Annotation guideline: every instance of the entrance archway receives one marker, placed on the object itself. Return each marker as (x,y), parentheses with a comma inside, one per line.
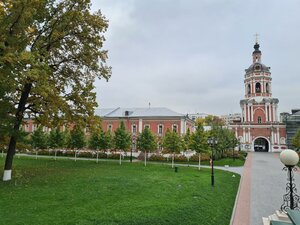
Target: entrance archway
(261,145)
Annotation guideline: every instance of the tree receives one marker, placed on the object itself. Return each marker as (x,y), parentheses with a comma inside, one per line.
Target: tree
(50,56)
(296,140)
(122,139)
(77,138)
(172,143)
(39,139)
(186,140)
(57,139)
(94,141)
(198,142)
(226,140)
(146,142)
(210,120)
(105,140)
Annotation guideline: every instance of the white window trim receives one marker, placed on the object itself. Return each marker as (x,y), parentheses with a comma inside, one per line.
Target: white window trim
(175,125)
(110,127)
(134,125)
(162,129)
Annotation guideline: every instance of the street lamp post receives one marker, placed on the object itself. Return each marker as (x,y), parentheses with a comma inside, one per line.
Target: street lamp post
(233,154)
(290,200)
(211,141)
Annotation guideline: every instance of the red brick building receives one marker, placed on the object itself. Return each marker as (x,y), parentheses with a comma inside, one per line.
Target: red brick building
(259,129)
(158,120)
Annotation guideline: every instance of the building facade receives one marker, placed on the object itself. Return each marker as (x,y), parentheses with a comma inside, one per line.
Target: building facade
(292,122)
(158,120)
(259,129)
(231,118)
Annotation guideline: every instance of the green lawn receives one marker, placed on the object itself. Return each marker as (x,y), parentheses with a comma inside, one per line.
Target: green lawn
(220,162)
(45,191)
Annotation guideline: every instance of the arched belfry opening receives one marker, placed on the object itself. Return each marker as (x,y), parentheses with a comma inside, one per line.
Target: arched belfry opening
(257,88)
(261,145)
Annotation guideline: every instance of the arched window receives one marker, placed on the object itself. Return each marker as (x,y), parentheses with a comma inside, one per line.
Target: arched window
(257,88)
(259,119)
(249,89)
(267,87)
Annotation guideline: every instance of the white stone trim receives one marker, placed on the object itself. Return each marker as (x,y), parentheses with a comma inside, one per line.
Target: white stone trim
(140,125)
(7,175)
(182,126)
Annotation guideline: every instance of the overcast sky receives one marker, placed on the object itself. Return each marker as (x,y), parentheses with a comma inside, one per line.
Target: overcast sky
(191,55)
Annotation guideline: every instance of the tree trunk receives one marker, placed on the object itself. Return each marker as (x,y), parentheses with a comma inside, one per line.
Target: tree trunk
(173,161)
(13,138)
(120,158)
(145,158)
(199,161)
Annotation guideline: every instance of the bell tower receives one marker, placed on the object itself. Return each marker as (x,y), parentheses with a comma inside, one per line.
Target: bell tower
(258,105)
(259,129)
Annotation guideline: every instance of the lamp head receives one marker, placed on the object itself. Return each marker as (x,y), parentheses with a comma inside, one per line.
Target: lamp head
(289,157)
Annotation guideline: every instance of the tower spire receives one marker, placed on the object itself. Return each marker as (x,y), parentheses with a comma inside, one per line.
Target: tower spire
(256,38)
(256,55)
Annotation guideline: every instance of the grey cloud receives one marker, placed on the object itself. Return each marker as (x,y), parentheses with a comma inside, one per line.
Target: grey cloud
(191,55)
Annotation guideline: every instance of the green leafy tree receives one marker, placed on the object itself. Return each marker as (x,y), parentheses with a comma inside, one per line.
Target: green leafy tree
(106,141)
(296,140)
(39,139)
(94,141)
(172,143)
(198,142)
(210,120)
(122,139)
(77,138)
(100,140)
(186,140)
(146,142)
(50,55)
(226,140)
(57,139)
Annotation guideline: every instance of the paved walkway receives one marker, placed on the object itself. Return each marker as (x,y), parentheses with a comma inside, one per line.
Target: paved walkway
(262,187)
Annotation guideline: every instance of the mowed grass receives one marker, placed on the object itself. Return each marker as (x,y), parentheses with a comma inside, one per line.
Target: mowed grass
(45,191)
(219,162)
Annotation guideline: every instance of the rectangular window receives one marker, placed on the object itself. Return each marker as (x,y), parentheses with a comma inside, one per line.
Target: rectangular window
(147,126)
(134,129)
(110,127)
(175,128)
(160,129)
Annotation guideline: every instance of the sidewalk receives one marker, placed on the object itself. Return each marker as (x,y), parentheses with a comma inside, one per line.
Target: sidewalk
(262,188)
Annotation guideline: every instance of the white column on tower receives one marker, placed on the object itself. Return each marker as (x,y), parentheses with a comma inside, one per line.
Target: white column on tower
(266,113)
(278,135)
(273,108)
(245,114)
(249,133)
(276,116)
(248,113)
(269,107)
(251,113)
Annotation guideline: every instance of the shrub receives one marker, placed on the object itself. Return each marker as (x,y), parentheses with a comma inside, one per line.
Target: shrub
(204,157)
(180,158)
(114,156)
(158,158)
